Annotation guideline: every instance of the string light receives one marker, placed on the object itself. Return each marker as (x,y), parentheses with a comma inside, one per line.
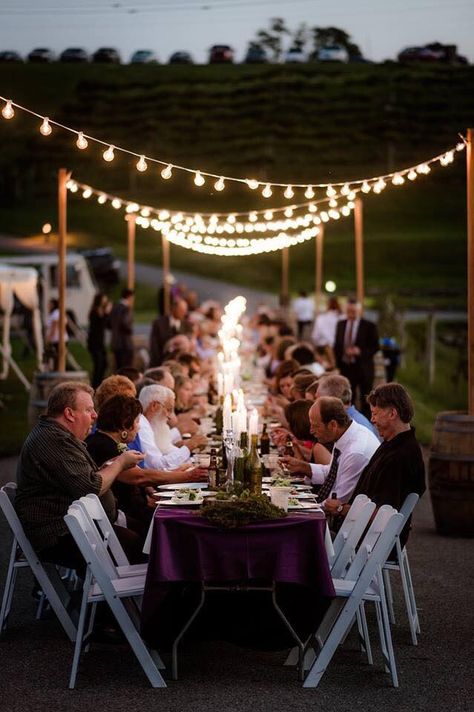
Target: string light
(116,203)
(142,164)
(167,172)
(8,111)
(219,184)
(267,191)
(412,174)
(45,128)
(87,193)
(289,193)
(108,154)
(81,142)
(365,184)
(199,179)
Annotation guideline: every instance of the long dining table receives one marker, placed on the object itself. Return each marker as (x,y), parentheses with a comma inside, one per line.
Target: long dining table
(187,551)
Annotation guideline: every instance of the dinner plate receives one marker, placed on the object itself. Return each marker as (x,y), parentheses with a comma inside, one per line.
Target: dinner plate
(184,485)
(182,503)
(205,493)
(305,505)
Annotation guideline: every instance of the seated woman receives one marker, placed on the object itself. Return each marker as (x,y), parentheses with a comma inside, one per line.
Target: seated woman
(282,391)
(305,445)
(185,403)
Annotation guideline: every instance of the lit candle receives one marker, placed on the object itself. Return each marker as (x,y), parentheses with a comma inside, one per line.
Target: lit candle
(227,412)
(220,384)
(236,424)
(253,423)
(243,420)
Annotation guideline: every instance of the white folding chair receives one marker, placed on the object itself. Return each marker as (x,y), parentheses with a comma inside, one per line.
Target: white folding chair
(402,565)
(23,556)
(120,594)
(95,510)
(350,533)
(352,590)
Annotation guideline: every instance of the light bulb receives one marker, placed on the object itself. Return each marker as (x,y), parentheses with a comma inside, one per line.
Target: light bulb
(108,154)
(398,179)
(142,164)
(102,199)
(45,128)
(289,193)
(268,215)
(199,179)
(145,212)
(219,184)
(333,203)
(460,146)
(166,173)
(163,215)
(309,192)
(412,175)
(231,219)
(253,217)
(116,203)
(365,187)
(81,142)
(345,190)
(7,111)
(351,195)
(330,192)
(288,212)
(267,191)
(73,187)
(87,193)
(252,183)
(312,208)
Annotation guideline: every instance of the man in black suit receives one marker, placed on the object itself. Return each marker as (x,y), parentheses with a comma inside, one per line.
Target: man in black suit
(121,326)
(164,328)
(357,341)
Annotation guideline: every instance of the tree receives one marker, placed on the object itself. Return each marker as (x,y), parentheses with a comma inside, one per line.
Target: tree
(301,36)
(272,39)
(326,36)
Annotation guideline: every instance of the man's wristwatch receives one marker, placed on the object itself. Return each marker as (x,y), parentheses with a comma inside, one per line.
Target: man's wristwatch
(339,509)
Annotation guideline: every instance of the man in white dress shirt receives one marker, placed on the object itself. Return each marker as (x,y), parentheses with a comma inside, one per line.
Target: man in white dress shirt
(354,445)
(156,436)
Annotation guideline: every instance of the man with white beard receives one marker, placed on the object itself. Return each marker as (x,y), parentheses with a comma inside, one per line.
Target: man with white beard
(155,433)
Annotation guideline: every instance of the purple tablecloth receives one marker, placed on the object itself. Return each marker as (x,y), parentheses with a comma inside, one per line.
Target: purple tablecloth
(187,548)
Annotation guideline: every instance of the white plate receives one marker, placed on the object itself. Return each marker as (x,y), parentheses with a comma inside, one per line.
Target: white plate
(184,485)
(205,493)
(305,505)
(183,503)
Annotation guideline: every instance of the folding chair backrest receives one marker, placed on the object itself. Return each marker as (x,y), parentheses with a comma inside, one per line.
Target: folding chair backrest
(96,511)
(90,533)
(370,540)
(409,505)
(352,536)
(7,497)
(349,520)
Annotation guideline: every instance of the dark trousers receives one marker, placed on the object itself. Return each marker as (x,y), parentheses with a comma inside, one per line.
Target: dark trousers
(302,328)
(123,358)
(361,383)
(99,361)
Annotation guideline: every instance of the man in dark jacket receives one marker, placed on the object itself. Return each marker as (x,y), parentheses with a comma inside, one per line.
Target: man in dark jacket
(164,328)
(121,326)
(357,341)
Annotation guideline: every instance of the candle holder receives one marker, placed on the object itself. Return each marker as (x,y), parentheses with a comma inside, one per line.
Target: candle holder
(229,444)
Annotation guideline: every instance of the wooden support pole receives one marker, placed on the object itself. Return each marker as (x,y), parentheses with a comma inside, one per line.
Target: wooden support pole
(359,250)
(285,265)
(318,294)
(63,177)
(165,246)
(131,232)
(470,268)
(431,346)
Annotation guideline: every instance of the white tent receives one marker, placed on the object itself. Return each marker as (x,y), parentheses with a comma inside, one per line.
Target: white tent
(22,283)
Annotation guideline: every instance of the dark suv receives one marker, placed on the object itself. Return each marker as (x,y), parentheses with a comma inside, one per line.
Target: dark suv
(106,55)
(219,54)
(104,266)
(74,55)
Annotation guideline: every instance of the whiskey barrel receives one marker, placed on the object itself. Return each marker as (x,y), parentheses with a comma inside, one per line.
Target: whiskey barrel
(43,384)
(451,473)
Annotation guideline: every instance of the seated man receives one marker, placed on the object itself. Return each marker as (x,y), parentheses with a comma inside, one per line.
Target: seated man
(396,469)
(54,469)
(354,445)
(155,433)
(340,387)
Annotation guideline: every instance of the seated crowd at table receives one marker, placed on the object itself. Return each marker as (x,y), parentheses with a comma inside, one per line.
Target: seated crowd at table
(140,429)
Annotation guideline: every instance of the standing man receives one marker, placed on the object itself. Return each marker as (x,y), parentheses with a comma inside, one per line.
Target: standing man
(357,341)
(396,469)
(165,327)
(303,308)
(121,325)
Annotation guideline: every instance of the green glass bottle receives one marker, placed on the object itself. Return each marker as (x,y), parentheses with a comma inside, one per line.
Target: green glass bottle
(264,441)
(241,459)
(254,468)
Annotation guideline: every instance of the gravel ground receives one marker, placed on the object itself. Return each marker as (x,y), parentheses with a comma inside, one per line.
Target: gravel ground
(35,656)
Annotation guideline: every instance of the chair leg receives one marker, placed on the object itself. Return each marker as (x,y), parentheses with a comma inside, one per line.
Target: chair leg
(364,636)
(8,591)
(80,632)
(410,601)
(389,594)
(392,665)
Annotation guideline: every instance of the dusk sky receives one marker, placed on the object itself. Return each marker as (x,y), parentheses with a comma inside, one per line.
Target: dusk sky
(380,27)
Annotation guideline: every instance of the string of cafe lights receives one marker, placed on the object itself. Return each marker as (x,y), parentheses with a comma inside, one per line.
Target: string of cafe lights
(193,233)
(375,183)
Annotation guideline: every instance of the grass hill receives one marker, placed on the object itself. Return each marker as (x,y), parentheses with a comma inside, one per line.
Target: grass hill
(292,123)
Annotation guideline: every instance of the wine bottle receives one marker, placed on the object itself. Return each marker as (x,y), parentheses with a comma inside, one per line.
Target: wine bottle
(241,459)
(212,472)
(255,468)
(264,441)
(219,417)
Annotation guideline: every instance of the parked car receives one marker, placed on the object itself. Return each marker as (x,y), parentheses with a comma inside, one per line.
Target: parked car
(10,56)
(333,53)
(181,57)
(41,54)
(144,56)
(106,55)
(221,54)
(434,52)
(74,55)
(256,55)
(295,55)
(103,264)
